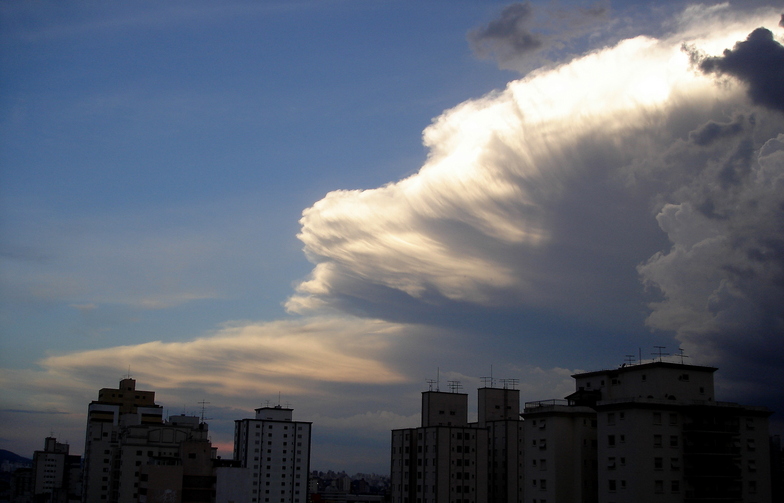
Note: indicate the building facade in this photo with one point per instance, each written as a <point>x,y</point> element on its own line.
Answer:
<point>273,451</point>
<point>647,432</point>
<point>56,474</point>
<point>132,455</point>
<point>449,460</point>
<point>662,437</point>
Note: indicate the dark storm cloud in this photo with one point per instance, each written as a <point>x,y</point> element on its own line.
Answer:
<point>757,61</point>
<point>713,131</point>
<point>510,31</point>
<point>522,31</point>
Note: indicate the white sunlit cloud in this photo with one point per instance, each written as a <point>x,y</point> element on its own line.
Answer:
<point>491,217</point>
<point>498,168</point>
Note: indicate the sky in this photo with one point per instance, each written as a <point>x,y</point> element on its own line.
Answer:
<point>325,204</point>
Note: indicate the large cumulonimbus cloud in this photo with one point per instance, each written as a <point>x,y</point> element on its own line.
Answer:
<point>562,191</point>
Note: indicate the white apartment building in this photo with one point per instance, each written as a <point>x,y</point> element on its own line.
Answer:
<point>274,452</point>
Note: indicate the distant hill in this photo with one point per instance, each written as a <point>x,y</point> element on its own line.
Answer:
<point>13,457</point>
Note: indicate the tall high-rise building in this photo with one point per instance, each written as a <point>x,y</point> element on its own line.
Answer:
<point>115,409</point>
<point>663,437</point>
<point>647,432</point>
<point>133,456</point>
<point>273,452</point>
<point>449,460</point>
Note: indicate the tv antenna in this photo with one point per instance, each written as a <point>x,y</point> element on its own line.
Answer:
<point>489,380</point>
<point>680,353</point>
<point>510,383</point>
<point>430,383</point>
<point>659,353</point>
<point>454,386</point>
<point>203,403</point>
<point>629,359</point>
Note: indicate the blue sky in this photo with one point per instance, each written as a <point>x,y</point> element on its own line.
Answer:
<point>333,199</point>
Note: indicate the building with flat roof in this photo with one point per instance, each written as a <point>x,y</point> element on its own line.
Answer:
<point>273,452</point>
<point>663,437</point>
<point>449,460</point>
<point>56,473</point>
<point>647,432</point>
<point>132,455</point>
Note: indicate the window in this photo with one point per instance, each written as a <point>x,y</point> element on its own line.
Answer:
<point>673,440</point>
<point>611,485</point>
<point>750,445</point>
<point>611,463</point>
<point>673,418</point>
<point>657,418</point>
<point>752,487</point>
<point>750,423</point>
<point>611,418</point>
<point>658,464</point>
<point>675,464</point>
<point>675,486</point>
<point>657,440</point>
<point>611,440</point>
<point>752,466</point>
<point>658,486</point>
<point>542,485</point>
<point>543,464</point>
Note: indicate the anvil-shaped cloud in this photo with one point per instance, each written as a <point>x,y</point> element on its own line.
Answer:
<point>654,164</point>
<point>550,194</point>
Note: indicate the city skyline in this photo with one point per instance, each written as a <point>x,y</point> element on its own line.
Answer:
<point>332,202</point>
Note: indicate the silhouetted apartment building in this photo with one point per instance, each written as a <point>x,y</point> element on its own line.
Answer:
<point>662,436</point>
<point>56,473</point>
<point>273,453</point>
<point>449,460</point>
<point>132,455</point>
<point>649,432</point>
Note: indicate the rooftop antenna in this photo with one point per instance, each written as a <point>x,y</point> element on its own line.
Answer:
<point>267,402</point>
<point>438,378</point>
<point>629,359</point>
<point>454,386</point>
<point>680,353</point>
<point>278,398</point>
<point>430,383</point>
<point>510,383</point>
<point>129,372</point>
<point>659,348</point>
<point>203,403</point>
<point>489,380</point>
